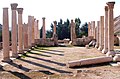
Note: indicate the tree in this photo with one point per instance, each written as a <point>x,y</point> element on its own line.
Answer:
<point>77,28</point>
<point>50,32</point>
<point>41,32</point>
<point>63,30</point>
<point>84,30</point>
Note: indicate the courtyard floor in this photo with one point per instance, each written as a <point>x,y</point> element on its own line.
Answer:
<point>50,63</point>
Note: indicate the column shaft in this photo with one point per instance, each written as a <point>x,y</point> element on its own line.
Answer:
<point>97,34</point>
<point>5,36</point>
<point>43,31</point>
<point>25,36</point>
<point>105,49</point>
<point>20,30</point>
<point>30,31</point>
<point>101,33</point>
<point>33,40</point>
<point>38,31</point>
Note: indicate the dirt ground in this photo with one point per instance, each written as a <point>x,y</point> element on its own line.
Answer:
<point>50,63</point>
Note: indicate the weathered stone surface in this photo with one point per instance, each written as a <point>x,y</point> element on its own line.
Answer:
<point>97,35</point>
<point>25,36</point>
<point>110,29</point>
<point>14,30</point>
<point>47,42</point>
<point>89,61</point>
<point>5,35</point>
<point>116,57</point>
<point>105,48</point>
<point>20,30</point>
<point>101,32</point>
<point>72,33</point>
<point>83,41</point>
<point>92,43</point>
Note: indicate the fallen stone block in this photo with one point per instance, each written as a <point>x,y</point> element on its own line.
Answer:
<point>87,46</point>
<point>116,57</point>
<point>89,61</point>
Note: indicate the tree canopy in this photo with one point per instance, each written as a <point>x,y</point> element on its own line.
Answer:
<point>63,29</point>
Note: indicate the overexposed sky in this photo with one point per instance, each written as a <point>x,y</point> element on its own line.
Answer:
<point>86,10</point>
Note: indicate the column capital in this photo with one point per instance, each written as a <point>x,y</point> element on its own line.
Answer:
<point>5,8</point>
<point>110,5</point>
<point>14,6</point>
<point>20,10</point>
<point>43,18</point>
<point>89,23</point>
<point>37,21</point>
<point>55,22</point>
<point>106,8</point>
<point>71,20</point>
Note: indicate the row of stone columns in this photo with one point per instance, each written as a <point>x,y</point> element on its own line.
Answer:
<point>104,32</point>
<point>23,35</point>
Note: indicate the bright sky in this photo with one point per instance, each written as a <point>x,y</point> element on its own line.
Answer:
<point>86,10</point>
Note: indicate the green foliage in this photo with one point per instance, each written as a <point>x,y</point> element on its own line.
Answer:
<point>63,29</point>
<point>84,30</point>
<point>41,32</point>
<point>49,34</point>
<point>77,28</point>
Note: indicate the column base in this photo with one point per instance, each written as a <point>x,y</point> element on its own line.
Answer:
<point>96,46</point>
<point>20,52</point>
<point>15,55</point>
<point>8,60</point>
<point>87,46</point>
<point>110,53</point>
<point>26,49</point>
<point>104,51</point>
<point>100,48</point>
<point>33,44</point>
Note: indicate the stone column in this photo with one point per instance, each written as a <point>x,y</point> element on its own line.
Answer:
<point>73,33</point>
<point>105,49</point>
<point>29,31</point>
<point>33,33</point>
<point>72,27</point>
<point>44,31</point>
<point>20,30</point>
<point>55,37</point>
<point>54,29</point>
<point>5,36</point>
<point>14,30</point>
<point>38,31</point>
<point>94,29</point>
<point>101,33</point>
<point>25,36</point>
<point>35,29</point>
<point>91,28</point>
<point>97,35</point>
<point>89,34</point>
<point>111,51</point>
